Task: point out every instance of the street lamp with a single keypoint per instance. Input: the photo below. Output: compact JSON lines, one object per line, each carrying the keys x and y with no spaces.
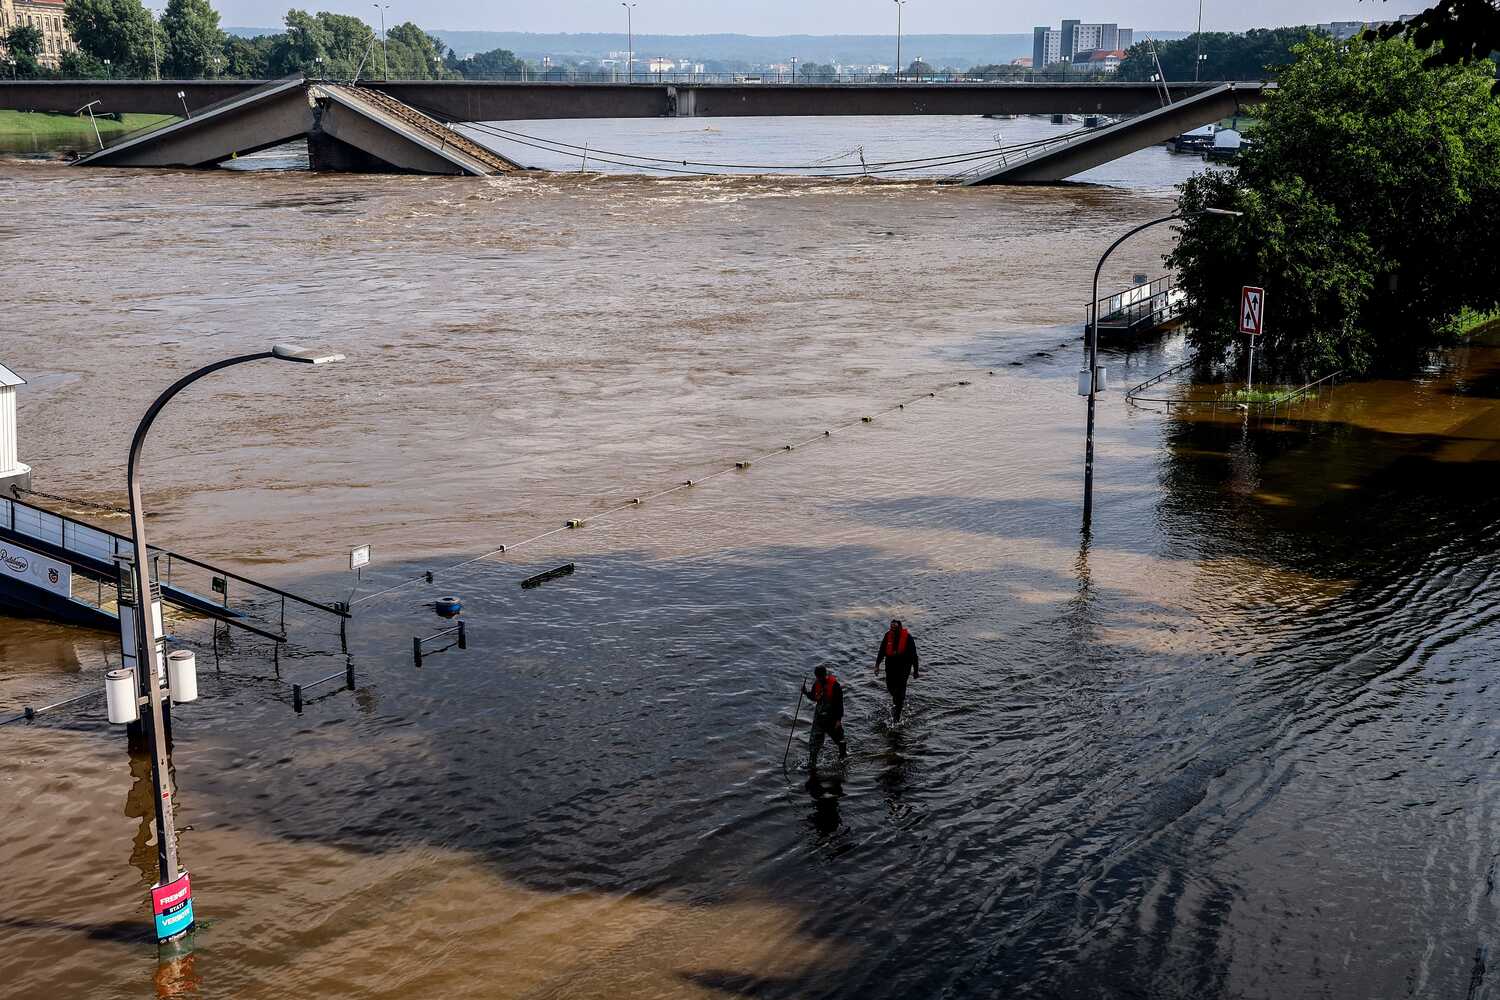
{"x":147,"y":642}
{"x":630,"y":42}
{"x":1198,"y":37}
{"x":385,"y":48}
{"x":899,"y":5}
{"x":1093,"y":354}
{"x":109,"y":74}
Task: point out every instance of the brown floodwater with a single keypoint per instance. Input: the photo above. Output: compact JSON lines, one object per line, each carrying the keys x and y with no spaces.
{"x":1237,"y":744}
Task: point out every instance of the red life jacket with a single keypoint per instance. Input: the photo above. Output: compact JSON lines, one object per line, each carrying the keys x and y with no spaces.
{"x":823,"y":688}
{"x":895,"y":644}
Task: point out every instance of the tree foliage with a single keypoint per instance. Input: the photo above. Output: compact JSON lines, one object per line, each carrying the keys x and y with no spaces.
{"x":497,"y":64}
{"x":122,"y":31}
{"x":1253,"y":55}
{"x":1369,"y":195}
{"x":194,"y":41}
{"x":24,"y":43}
{"x":1455,"y":32}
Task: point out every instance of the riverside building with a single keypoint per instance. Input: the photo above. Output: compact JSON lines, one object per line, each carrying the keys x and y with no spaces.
{"x":47,"y":17}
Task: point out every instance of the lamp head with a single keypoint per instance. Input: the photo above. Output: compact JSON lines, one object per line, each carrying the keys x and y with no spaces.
{"x":303,"y":355}
{"x":1223,"y":211}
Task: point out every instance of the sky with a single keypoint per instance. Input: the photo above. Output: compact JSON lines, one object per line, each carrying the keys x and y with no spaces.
{"x":821,"y":17}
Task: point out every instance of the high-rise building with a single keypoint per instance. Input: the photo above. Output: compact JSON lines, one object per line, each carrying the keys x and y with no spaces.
{"x":1053,"y":45}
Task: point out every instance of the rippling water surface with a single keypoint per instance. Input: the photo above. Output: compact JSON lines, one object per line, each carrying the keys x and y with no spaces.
{"x":1235,"y":745}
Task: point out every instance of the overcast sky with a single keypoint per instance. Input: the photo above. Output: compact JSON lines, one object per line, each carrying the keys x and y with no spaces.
{"x":821,"y":17}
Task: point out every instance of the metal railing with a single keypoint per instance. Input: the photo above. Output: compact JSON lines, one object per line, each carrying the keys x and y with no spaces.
{"x":1134,"y":392}
{"x":1145,"y":306}
{"x":191,"y":577}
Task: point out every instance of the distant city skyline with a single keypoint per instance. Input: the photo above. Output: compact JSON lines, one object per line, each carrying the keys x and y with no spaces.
{"x":822,"y":17}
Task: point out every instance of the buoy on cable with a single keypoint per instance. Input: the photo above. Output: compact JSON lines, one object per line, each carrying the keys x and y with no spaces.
{"x":867,"y":420}
{"x":742,"y":465}
{"x":688,"y":483}
{"x":965,"y":382}
{"x":576,"y":522}
{"x":501,"y":549}
{"x":828,"y":434}
{"x":448,"y":607}
{"x":900,"y":406}
{"x":790,"y":447}
{"x":635,"y":499}
{"x":931,"y":394}
{"x":428,"y":574}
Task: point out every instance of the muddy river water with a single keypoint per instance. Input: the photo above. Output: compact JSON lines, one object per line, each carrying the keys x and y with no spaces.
{"x":1238,"y":744}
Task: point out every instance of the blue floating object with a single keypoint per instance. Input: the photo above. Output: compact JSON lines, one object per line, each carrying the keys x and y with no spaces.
{"x":448,"y":607}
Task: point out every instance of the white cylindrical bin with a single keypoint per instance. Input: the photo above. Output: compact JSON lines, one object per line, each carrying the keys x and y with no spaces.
{"x":1083,"y":381}
{"x":182,"y":676}
{"x":1101,"y":379}
{"x":119,"y":696}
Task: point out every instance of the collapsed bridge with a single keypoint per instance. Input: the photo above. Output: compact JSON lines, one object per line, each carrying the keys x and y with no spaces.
{"x":406,"y":125}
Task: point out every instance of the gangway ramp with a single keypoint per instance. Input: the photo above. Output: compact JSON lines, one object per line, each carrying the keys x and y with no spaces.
{"x":87,"y":587}
{"x":347,"y":127}
{"x":1073,"y":154}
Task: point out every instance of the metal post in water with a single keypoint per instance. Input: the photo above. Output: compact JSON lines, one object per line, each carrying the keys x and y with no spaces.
{"x":463,"y":636}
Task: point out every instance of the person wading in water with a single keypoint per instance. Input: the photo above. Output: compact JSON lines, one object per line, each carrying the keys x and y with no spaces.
{"x":827,"y":695}
{"x":899,"y":651}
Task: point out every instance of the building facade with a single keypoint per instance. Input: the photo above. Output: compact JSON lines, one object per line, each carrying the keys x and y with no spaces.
{"x":1074,"y":38}
{"x":47,"y":17}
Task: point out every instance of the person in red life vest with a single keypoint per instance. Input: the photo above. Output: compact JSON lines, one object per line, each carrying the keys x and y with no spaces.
{"x":899,"y":652}
{"x":827,"y":696}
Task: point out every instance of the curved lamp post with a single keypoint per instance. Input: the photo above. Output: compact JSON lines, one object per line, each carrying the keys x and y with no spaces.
{"x":146,"y":636}
{"x":1093,"y":338}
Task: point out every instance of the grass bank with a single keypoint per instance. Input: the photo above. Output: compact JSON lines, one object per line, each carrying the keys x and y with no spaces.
{"x":1471,"y":323}
{"x":52,"y":126}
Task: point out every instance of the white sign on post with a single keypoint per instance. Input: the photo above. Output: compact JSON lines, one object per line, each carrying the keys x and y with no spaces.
{"x":1252,"y":310}
{"x":37,"y":570}
{"x":359,"y":557}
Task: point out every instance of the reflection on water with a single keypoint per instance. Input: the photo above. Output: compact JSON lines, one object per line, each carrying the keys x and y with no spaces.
{"x":1238,"y":744}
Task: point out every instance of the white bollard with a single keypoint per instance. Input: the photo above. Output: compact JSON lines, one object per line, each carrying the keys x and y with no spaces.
{"x":182,"y":676}
{"x":120,"y":696}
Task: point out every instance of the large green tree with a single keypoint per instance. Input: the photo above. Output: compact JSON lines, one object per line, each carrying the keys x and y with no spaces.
{"x":122,"y":31}
{"x":496,"y":64}
{"x":414,"y":54}
{"x":335,"y":46}
{"x":1253,"y":55}
{"x":194,"y":41}
{"x":1369,"y":200}
{"x":1455,"y":32}
{"x":24,"y":42}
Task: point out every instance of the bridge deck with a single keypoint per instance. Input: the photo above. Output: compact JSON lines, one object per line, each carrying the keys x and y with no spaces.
{"x":483,"y":100}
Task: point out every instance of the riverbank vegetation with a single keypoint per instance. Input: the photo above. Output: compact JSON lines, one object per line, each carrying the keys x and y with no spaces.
{"x":58,"y":126}
{"x":1369,"y":198}
{"x":1251,"y":55}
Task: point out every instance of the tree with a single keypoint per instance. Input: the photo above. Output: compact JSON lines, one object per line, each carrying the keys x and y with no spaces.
{"x":335,"y":46}
{"x":497,"y":64}
{"x":919,"y":68}
{"x":25,"y":44}
{"x":1455,"y":32}
{"x":1253,"y":55}
{"x":122,"y":31}
{"x":248,"y":58}
{"x":1369,"y":199}
{"x":414,"y":54}
{"x":812,"y":71}
{"x":194,"y":42}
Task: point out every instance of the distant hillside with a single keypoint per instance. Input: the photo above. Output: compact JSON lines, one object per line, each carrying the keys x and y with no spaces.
{"x":961,"y":51}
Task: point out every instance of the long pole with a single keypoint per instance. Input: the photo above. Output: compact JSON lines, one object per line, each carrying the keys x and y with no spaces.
{"x":629,"y":43}
{"x":899,"y":5}
{"x":800,"y":689}
{"x":147,"y":636}
{"x":1250,"y":376}
{"x":1093,"y":361}
{"x":1198,"y":58}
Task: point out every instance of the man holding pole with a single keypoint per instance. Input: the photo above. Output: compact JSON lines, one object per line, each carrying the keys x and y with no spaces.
{"x":827,"y":696}
{"x":899,"y":651}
